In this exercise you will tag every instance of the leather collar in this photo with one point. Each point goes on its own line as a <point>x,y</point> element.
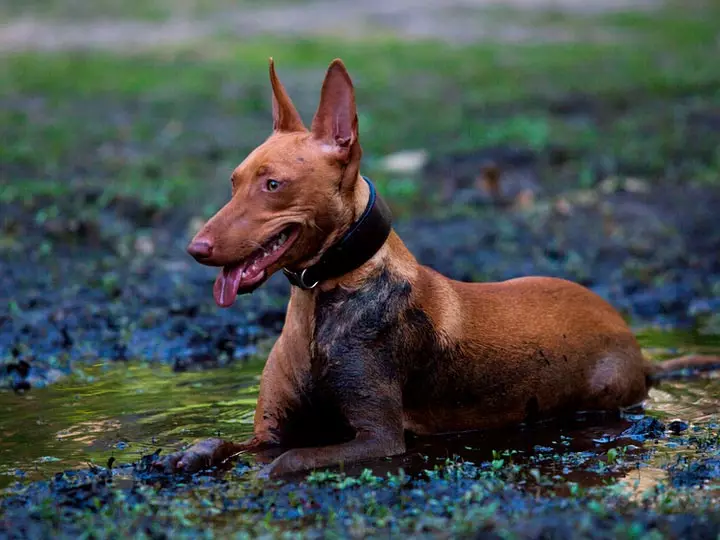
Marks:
<point>363,240</point>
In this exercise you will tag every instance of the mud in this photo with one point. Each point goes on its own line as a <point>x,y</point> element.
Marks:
<point>557,491</point>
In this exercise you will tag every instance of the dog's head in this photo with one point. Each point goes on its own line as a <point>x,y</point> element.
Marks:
<point>292,197</point>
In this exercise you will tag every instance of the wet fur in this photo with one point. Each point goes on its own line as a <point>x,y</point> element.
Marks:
<point>383,334</point>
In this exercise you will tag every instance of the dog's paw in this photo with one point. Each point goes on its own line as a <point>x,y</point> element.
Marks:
<point>198,457</point>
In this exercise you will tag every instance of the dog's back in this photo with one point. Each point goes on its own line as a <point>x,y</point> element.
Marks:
<point>518,350</point>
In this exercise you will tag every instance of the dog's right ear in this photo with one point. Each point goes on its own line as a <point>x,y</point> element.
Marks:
<point>285,115</point>
<point>336,123</point>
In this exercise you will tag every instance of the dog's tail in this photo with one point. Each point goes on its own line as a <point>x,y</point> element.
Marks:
<point>682,367</point>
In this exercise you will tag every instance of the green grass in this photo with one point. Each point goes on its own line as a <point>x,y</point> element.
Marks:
<point>175,122</point>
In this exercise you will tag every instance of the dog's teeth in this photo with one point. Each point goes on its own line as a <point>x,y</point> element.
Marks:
<point>279,242</point>
<point>276,244</point>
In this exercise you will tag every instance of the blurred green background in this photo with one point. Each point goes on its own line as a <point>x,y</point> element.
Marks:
<point>161,99</point>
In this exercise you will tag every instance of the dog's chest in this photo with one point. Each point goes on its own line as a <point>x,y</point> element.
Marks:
<point>371,325</point>
<point>376,331</point>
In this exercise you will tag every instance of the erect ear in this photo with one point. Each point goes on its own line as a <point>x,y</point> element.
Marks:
<point>285,115</point>
<point>335,122</point>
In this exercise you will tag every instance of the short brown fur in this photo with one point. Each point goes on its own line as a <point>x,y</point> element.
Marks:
<point>393,345</point>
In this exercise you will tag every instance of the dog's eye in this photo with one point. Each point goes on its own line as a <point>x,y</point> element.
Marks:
<point>272,185</point>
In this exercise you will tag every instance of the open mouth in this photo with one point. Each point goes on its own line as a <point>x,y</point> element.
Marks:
<point>246,275</point>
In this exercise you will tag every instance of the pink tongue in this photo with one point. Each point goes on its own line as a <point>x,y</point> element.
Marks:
<point>226,285</point>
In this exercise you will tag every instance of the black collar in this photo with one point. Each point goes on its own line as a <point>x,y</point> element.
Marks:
<point>363,240</point>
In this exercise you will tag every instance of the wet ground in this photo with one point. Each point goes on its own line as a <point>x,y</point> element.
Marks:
<point>128,410</point>
<point>600,477</point>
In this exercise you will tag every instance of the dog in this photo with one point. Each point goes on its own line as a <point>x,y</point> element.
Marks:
<point>375,344</point>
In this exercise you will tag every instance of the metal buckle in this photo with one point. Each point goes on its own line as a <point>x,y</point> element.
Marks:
<point>299,279</point>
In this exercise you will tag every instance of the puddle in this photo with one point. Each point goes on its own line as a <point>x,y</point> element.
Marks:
<point>128,410</point>
<point>121,410</point>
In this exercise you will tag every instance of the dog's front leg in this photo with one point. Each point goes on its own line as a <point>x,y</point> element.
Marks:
<point>374,412</point>
<point>364,446</point>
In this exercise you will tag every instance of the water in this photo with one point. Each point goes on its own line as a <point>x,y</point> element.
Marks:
<point>121,410</point>
<point>127,410</point>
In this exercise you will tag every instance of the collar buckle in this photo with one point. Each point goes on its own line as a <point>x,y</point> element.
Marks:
<point>298,279</point>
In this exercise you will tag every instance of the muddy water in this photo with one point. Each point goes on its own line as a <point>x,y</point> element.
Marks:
<point>126,410</point>
<point>121,410</point>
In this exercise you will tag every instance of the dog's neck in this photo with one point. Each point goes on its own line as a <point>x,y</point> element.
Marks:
<point>392,255</point>
<point>361,197</point>
<point>353,246</point>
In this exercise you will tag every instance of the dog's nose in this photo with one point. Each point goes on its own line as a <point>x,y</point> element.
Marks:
<point>200,249</point>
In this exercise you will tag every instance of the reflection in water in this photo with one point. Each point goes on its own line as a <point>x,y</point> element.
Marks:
<point>698,400</point>
<point>127,410</point>
<point>122,410</point>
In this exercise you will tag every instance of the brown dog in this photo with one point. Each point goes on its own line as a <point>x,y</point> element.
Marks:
<point>374,343</point>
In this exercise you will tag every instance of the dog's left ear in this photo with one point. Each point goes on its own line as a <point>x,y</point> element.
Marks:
<point>285,115</point>
<point>335,123</point>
